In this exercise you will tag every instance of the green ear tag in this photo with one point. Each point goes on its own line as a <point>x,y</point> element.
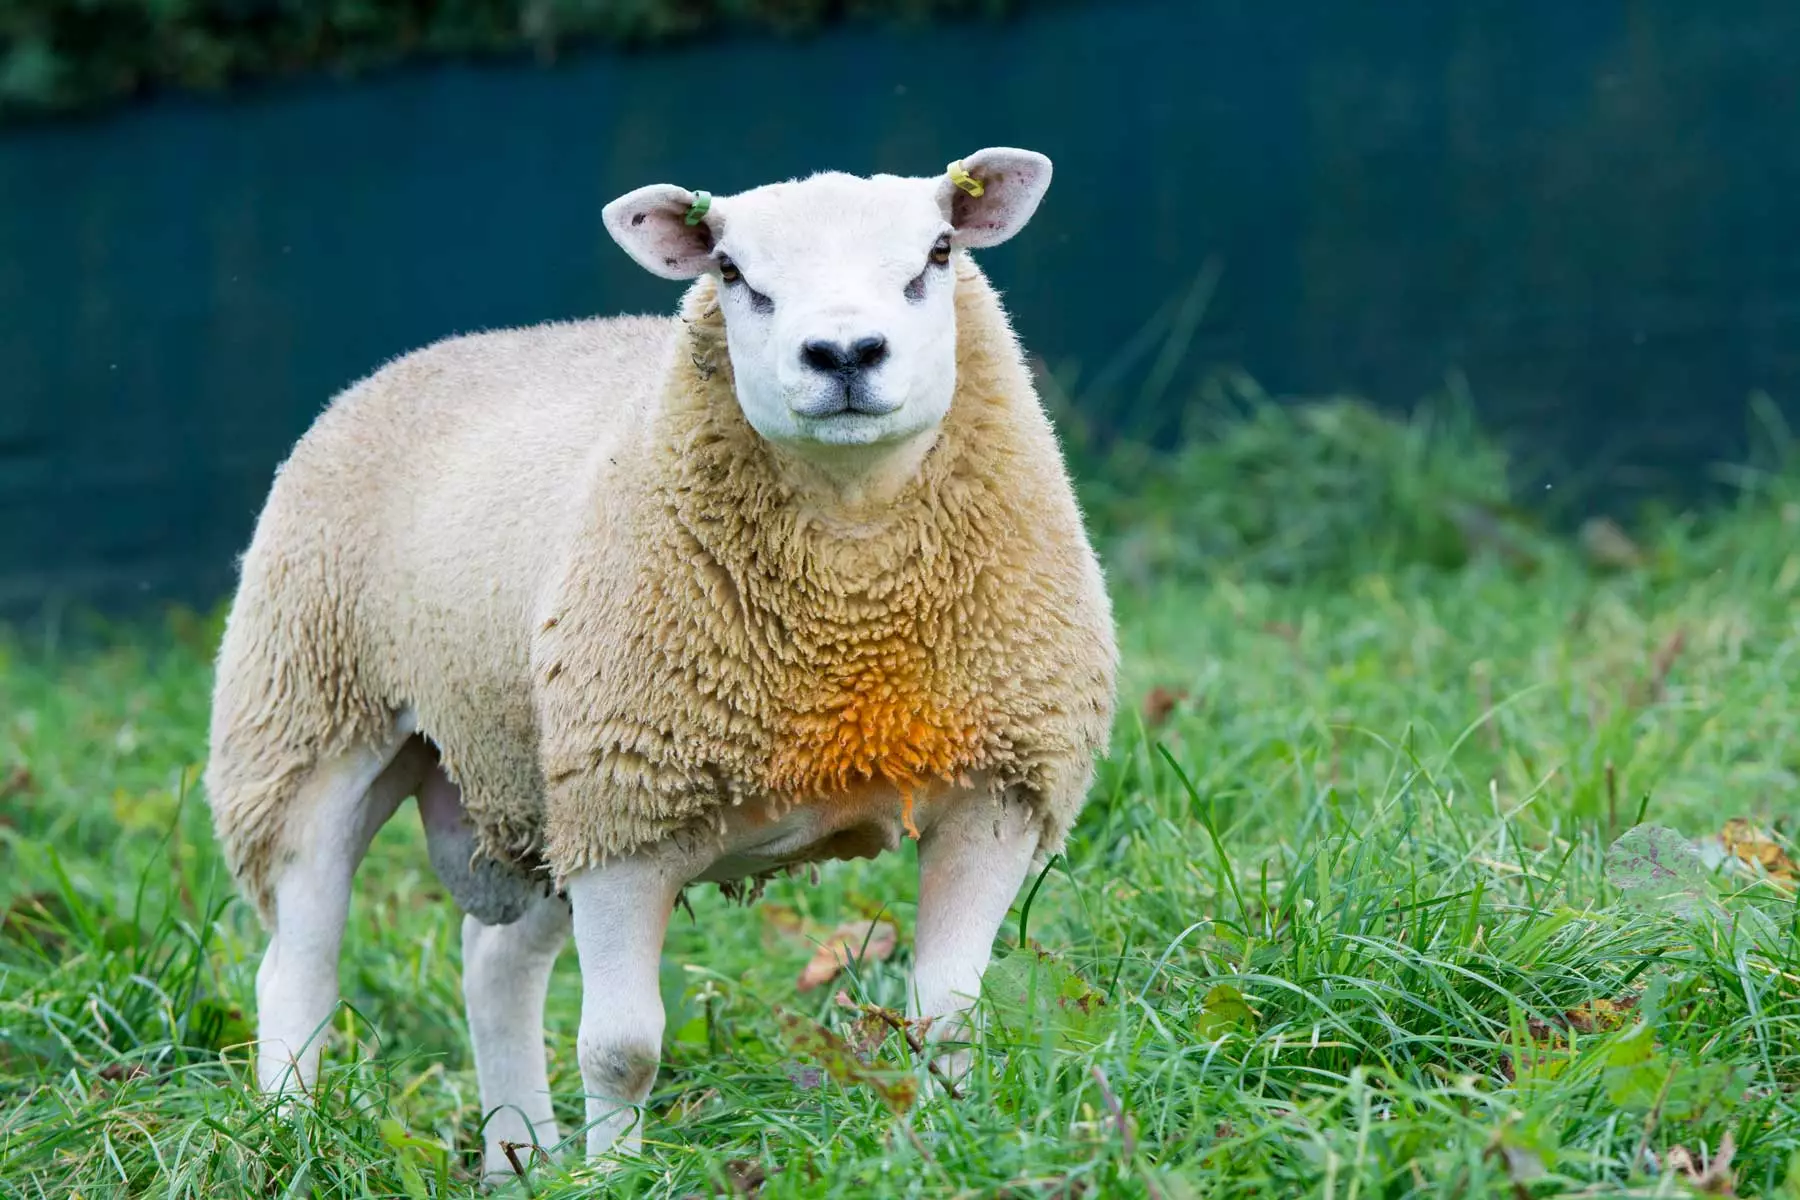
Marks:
<point>702,202</point>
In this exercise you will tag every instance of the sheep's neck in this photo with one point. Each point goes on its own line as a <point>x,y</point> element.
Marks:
<point>853,480</point>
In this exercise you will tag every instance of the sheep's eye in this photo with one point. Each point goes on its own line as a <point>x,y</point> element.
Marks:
<point>728,271</point>
<point>940,253</point>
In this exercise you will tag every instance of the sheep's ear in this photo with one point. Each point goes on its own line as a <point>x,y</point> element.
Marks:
<point>1010,183</point>
<point>653,225</point>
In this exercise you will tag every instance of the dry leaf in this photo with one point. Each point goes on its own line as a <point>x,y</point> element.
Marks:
<point>851,942</point>
<point>1545,1041</point>
<point>1751,845</point>
<point>868,1031</point>
<point>1716,1178</point>
<point>1608,545</point>
<point>119,1071</point>
<point>1664,662</point>
<point>1160,703</point>
<point>746,1176</point>
<point>1600,1015</point>
<point>833,1055</point>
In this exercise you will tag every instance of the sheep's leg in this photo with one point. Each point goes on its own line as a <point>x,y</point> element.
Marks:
<point>621,914</point>
<point>335,815</point>
<point>971,863</point>
<point>506,975</point>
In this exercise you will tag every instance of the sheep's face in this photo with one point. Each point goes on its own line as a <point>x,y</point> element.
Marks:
<point>837,291</point>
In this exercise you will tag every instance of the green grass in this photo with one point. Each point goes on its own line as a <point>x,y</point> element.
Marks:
<point>1317,933</point>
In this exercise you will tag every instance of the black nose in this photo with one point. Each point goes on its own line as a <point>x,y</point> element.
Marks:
<point>839,359</point>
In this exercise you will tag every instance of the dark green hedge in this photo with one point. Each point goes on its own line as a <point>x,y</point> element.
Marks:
<point>71,54</point>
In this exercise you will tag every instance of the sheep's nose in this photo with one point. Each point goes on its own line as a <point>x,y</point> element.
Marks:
<point>835,358</point>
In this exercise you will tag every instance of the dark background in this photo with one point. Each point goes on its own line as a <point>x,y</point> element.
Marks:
<point>1587,209</point>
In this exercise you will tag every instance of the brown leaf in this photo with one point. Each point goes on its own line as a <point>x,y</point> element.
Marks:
<point>119,1071</point>
<point>1716,1178</point>
<point>871,1027</point>
<point>1751,845</point>
<point>867,1033</point>
<point>851,942</point>
<point>1546,1041</point>
<point>1160,704</point>
<point>745,1176</point>
<point>1607,545</point>
<point>813,1041</point>
<point>1600,1015</point>
<point>1664,662</point>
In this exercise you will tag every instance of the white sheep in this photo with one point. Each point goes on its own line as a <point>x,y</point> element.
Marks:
<point>629,604</point>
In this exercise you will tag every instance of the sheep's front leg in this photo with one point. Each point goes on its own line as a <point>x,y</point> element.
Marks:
<point>971,863</point>
<point>621,914</point>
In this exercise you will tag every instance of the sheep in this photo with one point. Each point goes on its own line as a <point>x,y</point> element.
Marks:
<point>636,603</point>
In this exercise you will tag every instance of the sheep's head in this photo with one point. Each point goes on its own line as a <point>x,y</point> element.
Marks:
<point>837,290</point>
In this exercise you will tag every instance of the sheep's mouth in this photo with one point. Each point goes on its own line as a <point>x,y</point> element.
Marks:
<point>853,399</point>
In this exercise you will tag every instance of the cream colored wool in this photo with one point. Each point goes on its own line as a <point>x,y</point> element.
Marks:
<point>615,610</point>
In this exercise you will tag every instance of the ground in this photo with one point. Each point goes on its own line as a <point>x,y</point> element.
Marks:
<point>1340,919</point>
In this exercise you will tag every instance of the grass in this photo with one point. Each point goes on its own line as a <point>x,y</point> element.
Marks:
<point>1340,920</point>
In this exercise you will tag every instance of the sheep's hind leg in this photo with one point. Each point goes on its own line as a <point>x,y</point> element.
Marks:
<point>335,815</point>
<point>971,863</point>
<point>512,934</point>
<point>621,913</point>
<point>506,976</point>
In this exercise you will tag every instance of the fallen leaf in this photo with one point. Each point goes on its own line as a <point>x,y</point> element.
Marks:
<point>1033,990</point>
<point>805,1078</point>
<point>1599,1015</point>
<point>1224,1009</point>
<point>1546,1051</point>
<point>1160,704</point>
<point>746,1176</point>
<point>1664,661</point>
<point>868,1031</point>
<point>1751,845</point>
<point>811,1040</point>
<point>1716,1178</point>
<point>1657,869</point>
<point>1607,545</point>
<point>851,942</point>
<point>120,1071</point>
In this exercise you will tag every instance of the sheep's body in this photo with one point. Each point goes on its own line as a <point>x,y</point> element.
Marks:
<point>629,604</point>
<point>405,547</point>
<point>575,520</point>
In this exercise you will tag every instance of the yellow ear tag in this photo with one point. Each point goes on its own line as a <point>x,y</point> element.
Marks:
<point>959,175</point>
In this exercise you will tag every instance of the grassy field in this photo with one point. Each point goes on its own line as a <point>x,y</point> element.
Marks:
<point>1402,880</point>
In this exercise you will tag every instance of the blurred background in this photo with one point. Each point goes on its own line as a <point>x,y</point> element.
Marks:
<point>1558,237</point>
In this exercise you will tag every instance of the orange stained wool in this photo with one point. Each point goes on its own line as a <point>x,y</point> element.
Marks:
<point>871,724</point>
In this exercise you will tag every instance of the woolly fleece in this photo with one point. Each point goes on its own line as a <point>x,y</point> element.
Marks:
<point>615,610</point>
